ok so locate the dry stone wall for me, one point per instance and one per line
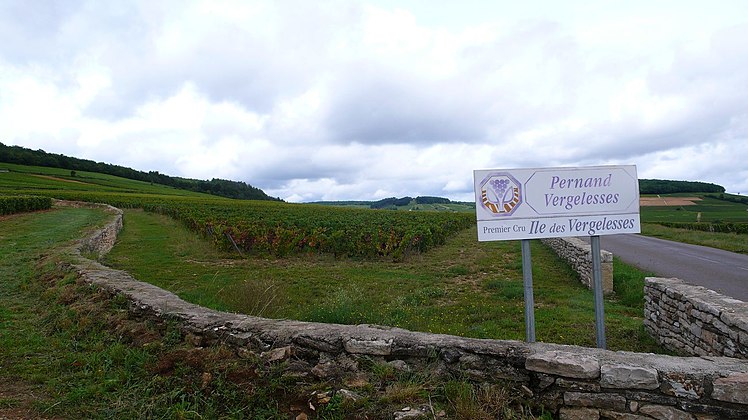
(694, 320)
(579, 255)
(102, 241)
(574, 382)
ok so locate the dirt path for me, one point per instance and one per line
(668, 201)
(17, 399)
(54, 178)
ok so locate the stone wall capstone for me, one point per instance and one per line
(579, 255)
(694, 320)
(572, 381)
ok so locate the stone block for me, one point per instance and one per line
(743, 338)
(679, 385)
(614, 415)
(577, 413)
(662, 412)
(708, 337)
(736, 319)
(578, 385)
(733, 388)
(732, 333)
(704, 306)
(544, 381)
(369, 347)
(647, 397)
(613, 402)
(566, 364)
(625, 376)
(720, 326)
(695, 330)
(278, 354)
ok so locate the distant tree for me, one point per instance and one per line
(72, 173)
(432, 200)
(661, 186)
(391, 202)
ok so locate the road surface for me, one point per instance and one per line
(722, 271)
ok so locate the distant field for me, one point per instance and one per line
(668, 201)
(688, 208)
(51, 181)
(699, 219)
(412, 206)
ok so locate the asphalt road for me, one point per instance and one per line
(722, 271)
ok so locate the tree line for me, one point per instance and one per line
(220, 187)
(662, 186)
(404, 201)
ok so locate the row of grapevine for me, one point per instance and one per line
(728, 227)
(10, 204)
(282, 229)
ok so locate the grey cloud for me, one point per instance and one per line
(29, 30)
(713, 97)
(245, 74)
(374, 106)
(229, 62)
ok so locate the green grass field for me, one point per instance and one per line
(68, 350)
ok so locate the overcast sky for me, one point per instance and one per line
(345, 100)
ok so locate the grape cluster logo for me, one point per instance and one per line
(501, 194)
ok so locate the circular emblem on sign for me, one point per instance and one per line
(501, 194)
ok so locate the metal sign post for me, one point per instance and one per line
(597, 281)
(536, 203)
(529, 299)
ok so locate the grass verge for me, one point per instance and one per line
(732, 242)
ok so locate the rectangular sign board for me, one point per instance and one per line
(556, 202)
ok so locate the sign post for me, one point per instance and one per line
(553, 203)
(597, 281)
(529, 298)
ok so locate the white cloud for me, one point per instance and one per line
(364, 100)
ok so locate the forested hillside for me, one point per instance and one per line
(221, 187)
(662, 186)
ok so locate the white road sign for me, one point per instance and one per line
(556, 202)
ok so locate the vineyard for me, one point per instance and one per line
(10, 204)
(281, 229)
(262, 227)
